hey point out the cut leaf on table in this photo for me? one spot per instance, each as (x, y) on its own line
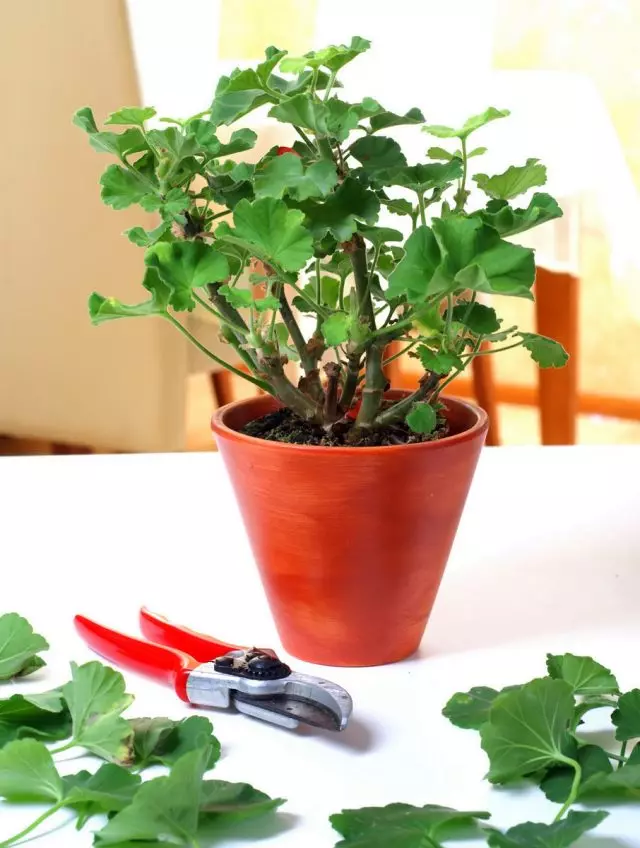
(19, 647)
(96, 697)
(44, 716)
(404, 826)
(561, 834)
(528, 729)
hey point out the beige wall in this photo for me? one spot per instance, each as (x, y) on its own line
(119, 386)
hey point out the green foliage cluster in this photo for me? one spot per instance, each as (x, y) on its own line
(311, 214)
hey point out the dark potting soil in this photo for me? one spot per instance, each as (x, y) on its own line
(283, 425)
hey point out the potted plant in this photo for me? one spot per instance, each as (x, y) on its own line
(351, 492)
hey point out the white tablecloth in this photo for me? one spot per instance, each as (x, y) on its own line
(547, 559)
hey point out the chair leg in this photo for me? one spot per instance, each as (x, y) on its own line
(557, 317)
(222, 385)
(484, 389)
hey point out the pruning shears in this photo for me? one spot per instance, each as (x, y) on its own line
(209, 673)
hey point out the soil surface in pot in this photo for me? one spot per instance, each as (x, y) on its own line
(285, 426)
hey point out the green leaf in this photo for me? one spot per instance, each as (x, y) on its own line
(509, 221)
(339, 263)
(333, 57)
(119, 144)
(264, 304)
(380, 235)
(417, 274)
(173, 142)
(514, 181)
(166, 809)
(43, 716)
(238, 298)
(398, 205)
(560, 834)
(481, 320)
(383, 120)
(96, 696)
(19, 645)
(376, 153)
(339, 214)
(335, 328)
(528, 729)
(470, 710)
(109, 790)
(131, 115)
(145, 238)
(477, 151)
(103, 309)
(471, 125)
(271, 231)
(492, 265)
(548, 353)
(403, 826)
(331, 118)
(622, 784)
(161, 740)
(585, 675)
(28, 773)
(186, 265)
(421, 178)
(626, 717)
(121, 188)
(558, 781)
(240, 93)
(223, 801)
(439, 153)
(84, 119)
(421, 418)
(439, 362)
(286, 174)
(204, 134)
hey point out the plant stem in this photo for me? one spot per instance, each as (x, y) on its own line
(398, 411)
(305, 138)
(235, 327)
(400, 352)
(351, 382)
(623, 751)
(66, 747)
(461, 198)
(286, 392)
(330, 82)
(307, 299)
(318, 294)
(307, 360)
(35, 824)
(231, 315)
(575, 786)
(423, 216)
(617, 757)
(358, 257)
(374, 385)
(447, 331)
(261, 384)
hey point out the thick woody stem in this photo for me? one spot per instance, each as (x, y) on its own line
(331, 411)
(375, 384)
(398, 411)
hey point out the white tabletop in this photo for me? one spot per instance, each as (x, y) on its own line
(547, 559)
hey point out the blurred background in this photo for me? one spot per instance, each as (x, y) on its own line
(568, 70)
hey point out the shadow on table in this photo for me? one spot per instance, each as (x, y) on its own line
(357, 737)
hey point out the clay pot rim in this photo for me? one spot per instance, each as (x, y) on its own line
(219, 427)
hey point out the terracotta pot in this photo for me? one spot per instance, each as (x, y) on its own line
(351, 543)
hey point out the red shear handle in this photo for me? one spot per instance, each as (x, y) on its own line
(166, 665)
(203, 648)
